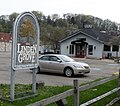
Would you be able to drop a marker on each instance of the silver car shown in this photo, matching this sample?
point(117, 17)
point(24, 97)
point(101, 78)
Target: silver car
point(56, 63)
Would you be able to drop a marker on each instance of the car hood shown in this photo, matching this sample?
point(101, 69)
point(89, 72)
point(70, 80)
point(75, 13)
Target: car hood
point(77, 63)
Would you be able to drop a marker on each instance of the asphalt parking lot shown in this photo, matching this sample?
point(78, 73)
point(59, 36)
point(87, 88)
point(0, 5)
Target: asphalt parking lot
point(99, 69)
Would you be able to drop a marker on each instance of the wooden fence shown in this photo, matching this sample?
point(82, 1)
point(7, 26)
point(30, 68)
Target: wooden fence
point(60, 99)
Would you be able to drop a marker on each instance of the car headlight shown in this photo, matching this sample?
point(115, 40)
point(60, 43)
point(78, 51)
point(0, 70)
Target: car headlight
point(78, 66)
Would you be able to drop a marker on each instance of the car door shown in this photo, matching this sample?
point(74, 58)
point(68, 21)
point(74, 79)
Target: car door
point(44, 63)
point(56, 65)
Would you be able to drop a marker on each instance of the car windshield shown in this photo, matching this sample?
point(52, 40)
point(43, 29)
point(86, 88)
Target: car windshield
point(66, 58)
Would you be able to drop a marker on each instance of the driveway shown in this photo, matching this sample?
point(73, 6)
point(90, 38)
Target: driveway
point(99, 69)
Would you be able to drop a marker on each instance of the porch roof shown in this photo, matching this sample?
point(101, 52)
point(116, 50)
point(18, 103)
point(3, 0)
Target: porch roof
point(80, 42)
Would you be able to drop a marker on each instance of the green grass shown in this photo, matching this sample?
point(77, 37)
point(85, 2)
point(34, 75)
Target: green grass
point(42, 93)
point(96, 91)
point(48, 91)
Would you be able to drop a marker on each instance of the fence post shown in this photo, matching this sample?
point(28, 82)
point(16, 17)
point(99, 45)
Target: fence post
point(76, 93)
point(34, 80)
point(119, 83)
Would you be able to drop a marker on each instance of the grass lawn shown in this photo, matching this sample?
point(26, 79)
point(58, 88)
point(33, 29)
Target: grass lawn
point(47, 91)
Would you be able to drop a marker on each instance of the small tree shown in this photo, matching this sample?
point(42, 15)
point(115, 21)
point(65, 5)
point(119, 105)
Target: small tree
point(27, 29)
point(52, 35)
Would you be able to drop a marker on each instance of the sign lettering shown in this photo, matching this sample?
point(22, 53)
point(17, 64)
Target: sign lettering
point(26, 53)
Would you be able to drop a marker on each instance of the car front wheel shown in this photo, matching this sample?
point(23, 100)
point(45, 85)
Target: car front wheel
point(68, 72)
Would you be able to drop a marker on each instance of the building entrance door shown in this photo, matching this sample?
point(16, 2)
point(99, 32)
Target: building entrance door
point(80, 51)
point(81, 47)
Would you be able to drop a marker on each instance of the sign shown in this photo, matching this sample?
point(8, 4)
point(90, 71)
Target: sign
point(25, 42)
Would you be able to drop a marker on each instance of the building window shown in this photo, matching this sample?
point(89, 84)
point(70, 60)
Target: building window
point(106, 48)
point(71, 50)
point(115, 48)
point(90, 49)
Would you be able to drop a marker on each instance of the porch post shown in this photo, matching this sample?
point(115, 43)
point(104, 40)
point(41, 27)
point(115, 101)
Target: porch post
point(111, 48)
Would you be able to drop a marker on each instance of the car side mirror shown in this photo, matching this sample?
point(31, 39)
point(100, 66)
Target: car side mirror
point(59, 61)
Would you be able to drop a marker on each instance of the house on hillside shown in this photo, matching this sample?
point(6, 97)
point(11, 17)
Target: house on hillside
point(5, 41)
point(88, 42)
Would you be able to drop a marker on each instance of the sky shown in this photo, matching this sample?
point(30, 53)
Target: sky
point(104, 9)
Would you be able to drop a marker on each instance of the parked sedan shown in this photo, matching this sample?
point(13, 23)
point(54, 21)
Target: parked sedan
point(56, 63)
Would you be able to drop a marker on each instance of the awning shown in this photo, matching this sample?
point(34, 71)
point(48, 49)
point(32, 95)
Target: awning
point(80, 41)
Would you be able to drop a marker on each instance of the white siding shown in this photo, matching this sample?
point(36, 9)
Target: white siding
point(5, 46)
point(65, 47)
point(97, 46)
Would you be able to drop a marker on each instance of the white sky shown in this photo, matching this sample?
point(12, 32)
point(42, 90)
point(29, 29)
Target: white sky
point(105, 9)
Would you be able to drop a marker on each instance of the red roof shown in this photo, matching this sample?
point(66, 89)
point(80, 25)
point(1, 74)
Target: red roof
point(5, 37)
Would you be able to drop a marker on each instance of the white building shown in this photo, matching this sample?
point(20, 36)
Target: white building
point(5, 42)
point(89, 43)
